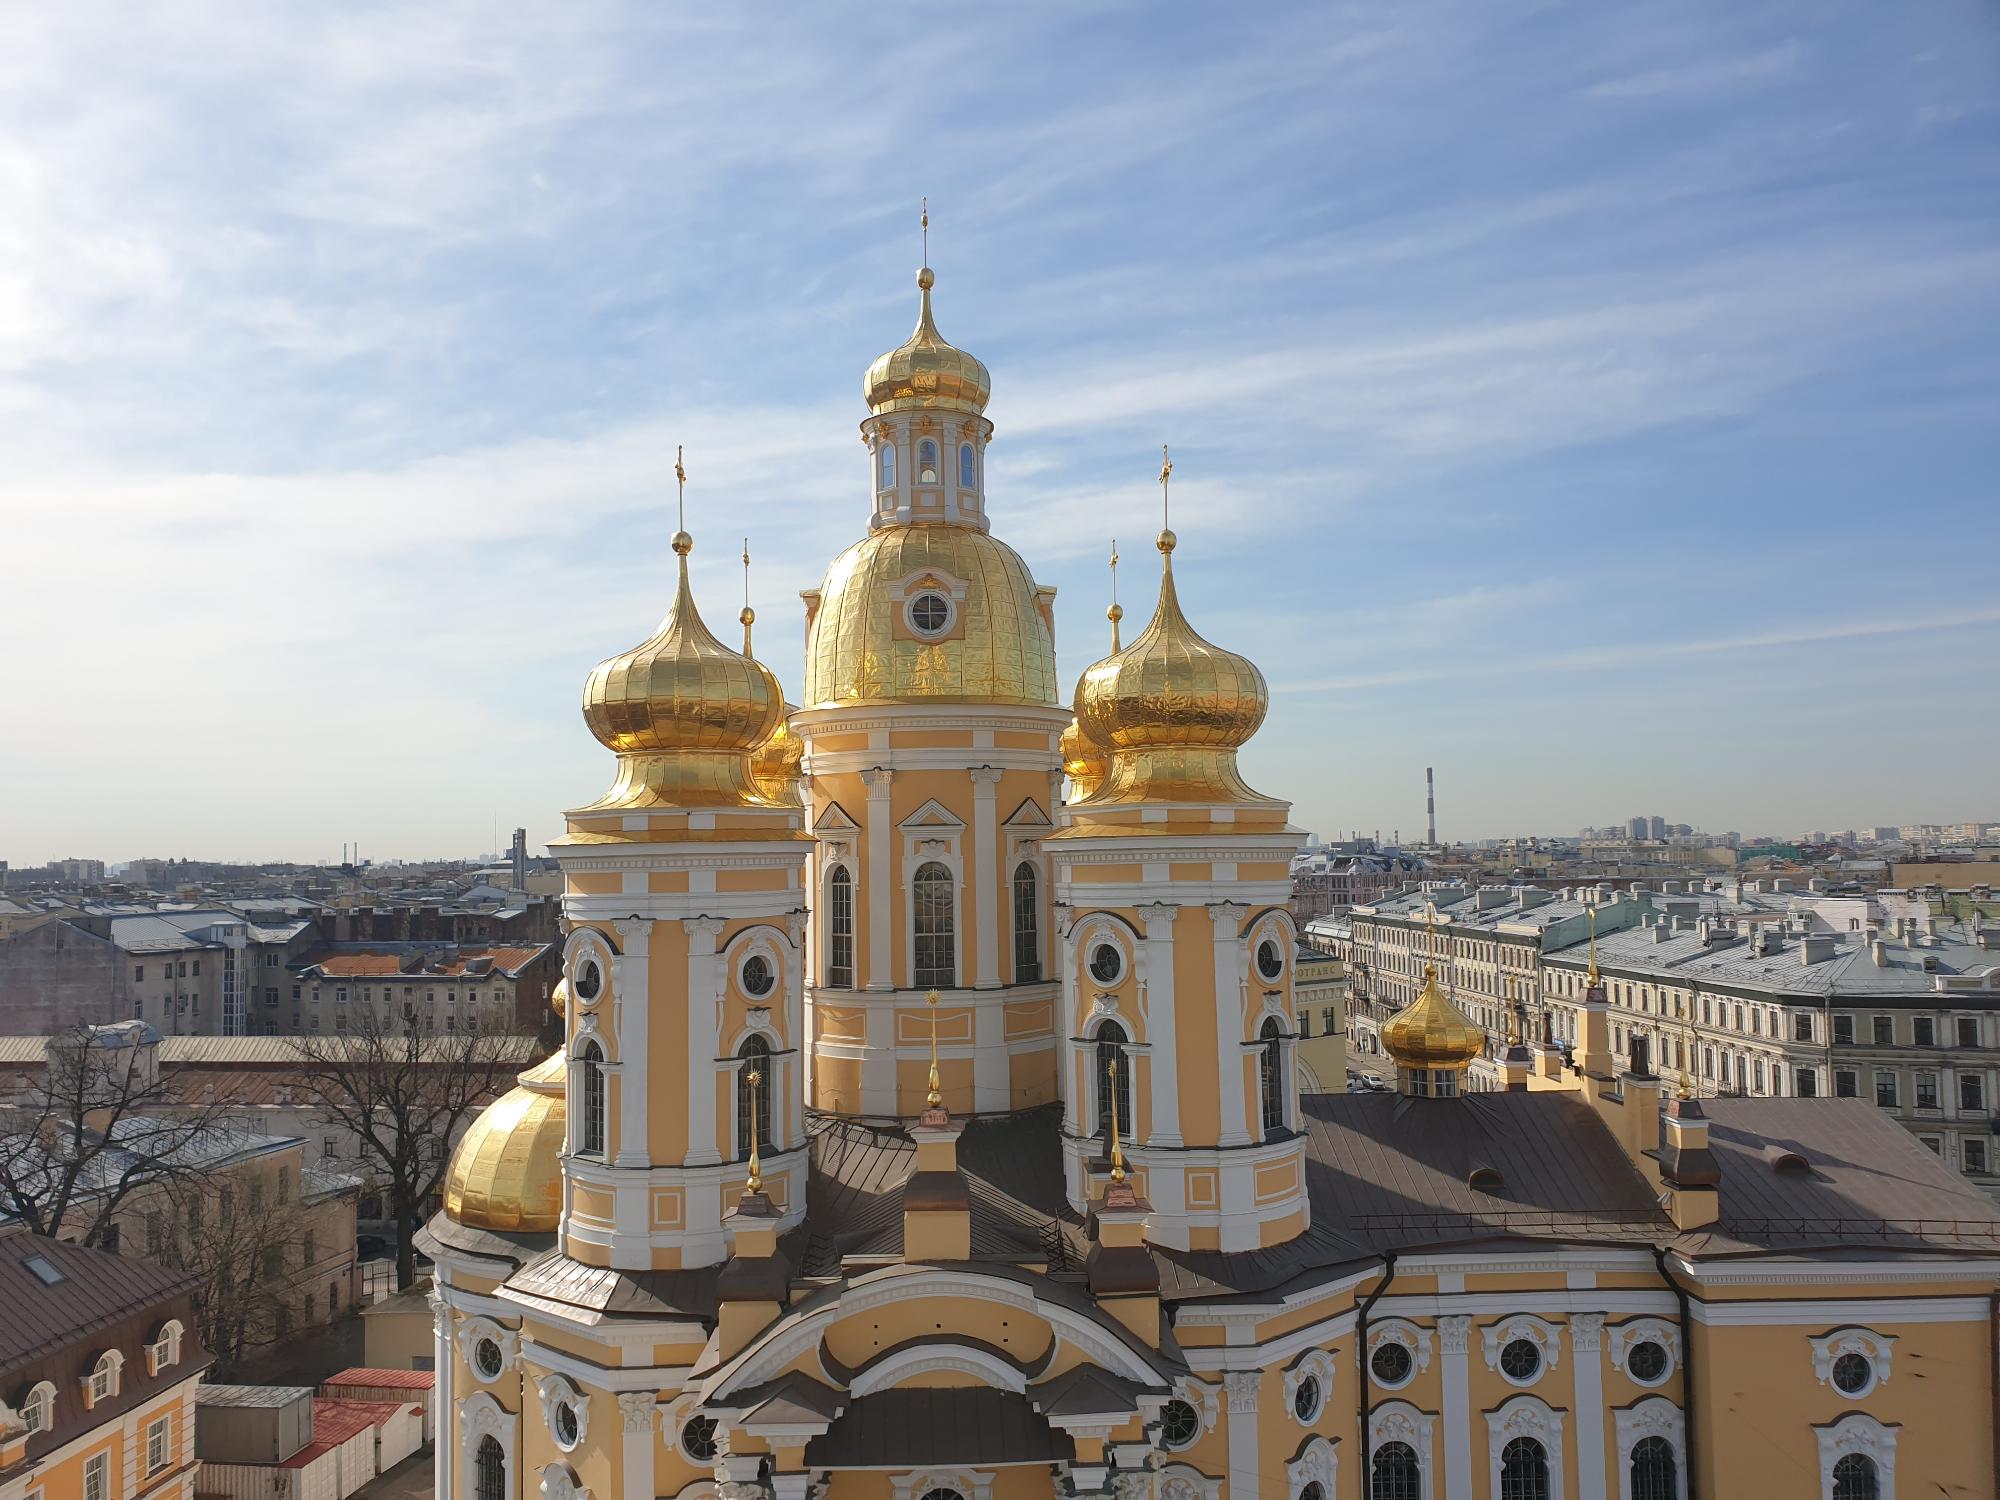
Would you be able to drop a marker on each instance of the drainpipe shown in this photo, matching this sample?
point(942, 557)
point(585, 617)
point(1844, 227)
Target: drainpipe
point(1993, 1356)
point(1361, 1355)
point(1687, 1373)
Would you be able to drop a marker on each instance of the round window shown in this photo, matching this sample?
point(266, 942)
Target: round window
point(1853, 1374)
point(1521, 1360)
point(1180, 1424)
point(567, 1429)
point(1270, 960)
point(1106, 963)
point(1646, 1362)
point(589, 980)
point(698, 1439)
point(757, 975)
point(1391, 1364)
point(930, 614)
point(1305, 1400)
point(487, 1359)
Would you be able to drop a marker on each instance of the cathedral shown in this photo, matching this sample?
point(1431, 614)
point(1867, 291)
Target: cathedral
point(927, 1127)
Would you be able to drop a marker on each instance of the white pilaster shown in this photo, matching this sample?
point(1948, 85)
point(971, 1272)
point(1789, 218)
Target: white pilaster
point(1163, 1064)
point(630, 982)
point(636, 1409)
point(447, 1398)
point(1455, 1338)
point(703, 986)
point(881, 954)
point(989, 880)
point(1586, 1332)
point(1241, 1388)
point(1229, 1055)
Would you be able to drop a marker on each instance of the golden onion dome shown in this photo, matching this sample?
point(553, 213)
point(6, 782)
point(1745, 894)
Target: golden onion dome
point(1171, 710)
point(507, 1171)
point(996, 645)
point(924, 373)
point(775, 766)
point(559, 999)
point(1431, 1032)
point(1083, 762)
point(682, 711)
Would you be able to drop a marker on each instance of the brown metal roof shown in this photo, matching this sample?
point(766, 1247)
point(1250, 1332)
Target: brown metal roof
point(966, 1426)
point(95, 1288)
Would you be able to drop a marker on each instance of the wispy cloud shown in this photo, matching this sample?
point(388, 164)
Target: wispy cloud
point(1701, 77)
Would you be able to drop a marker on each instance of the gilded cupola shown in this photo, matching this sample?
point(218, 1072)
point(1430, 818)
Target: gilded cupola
point(683, 712)
point(1171, 710)
point(1432, 1041)
point(1083, 762)
point(924, 373)
point(506, 1171)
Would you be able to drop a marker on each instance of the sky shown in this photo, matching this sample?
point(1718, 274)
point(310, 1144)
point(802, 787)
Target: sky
point(1596, 403)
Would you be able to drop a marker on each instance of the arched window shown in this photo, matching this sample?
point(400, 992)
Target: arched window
point(1027, 934)
point(756, 1055)
point(590, 1069)
point(840, 930)
point(1524, 1470)
point(1653, 1476)
point(1111, 1041)
point(888, 465)
point(936, 950)
point(927, 463)
point(965, 466)
point(1271, 1071)
point(1314, 1490)
point(1396, 1475)
point(489, 1471)
point(1855, 1478)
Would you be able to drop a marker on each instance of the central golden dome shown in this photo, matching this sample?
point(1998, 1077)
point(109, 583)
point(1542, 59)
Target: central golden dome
point(1171, 710)
point(996, 645)
point(683, 711)
point(924, 373)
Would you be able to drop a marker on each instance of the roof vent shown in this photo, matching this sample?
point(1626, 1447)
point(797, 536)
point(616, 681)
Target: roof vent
point(1784, 1159)
point(1485, 1179)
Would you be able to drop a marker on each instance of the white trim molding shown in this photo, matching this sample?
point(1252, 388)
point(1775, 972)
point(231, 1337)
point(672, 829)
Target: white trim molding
point(472, 1330)
point(1412, 1336)
point(1526, 1417)
point(559, 1482)
point(480, 1416)
point(1400, 1422)
point(1876, 1348)
point(1620, 1339)
point(973, 1484)
point(1318, 1463)
point(1316, 1365)
point(1544, 1335)
point(560, 1390)
point(1861, 1434)
point(929, 1358)
point(1183, 1481)
point(1653, 1416)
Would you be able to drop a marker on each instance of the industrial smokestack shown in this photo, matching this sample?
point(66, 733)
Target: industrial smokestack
point(1431, 803)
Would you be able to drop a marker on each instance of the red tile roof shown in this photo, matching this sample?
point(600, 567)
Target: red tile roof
point(408, 1380)
point(337, 1422)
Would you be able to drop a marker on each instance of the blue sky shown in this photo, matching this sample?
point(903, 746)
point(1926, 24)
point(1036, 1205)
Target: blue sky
point(1594, 402)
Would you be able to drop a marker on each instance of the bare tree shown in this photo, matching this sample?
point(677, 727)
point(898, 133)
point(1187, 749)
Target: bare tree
point(404, 1096)
point(244, 1244)
point(99, 1125)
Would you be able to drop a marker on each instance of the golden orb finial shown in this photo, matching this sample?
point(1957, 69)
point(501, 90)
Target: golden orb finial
point(755, 1182)
point(1117, 611)
point(936, 1096)
point(749, 616)
point(1117, 1155)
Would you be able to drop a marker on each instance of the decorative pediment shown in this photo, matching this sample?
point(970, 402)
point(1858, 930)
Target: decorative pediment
point(1028, 815)
point(933, 814)
point(834, 818)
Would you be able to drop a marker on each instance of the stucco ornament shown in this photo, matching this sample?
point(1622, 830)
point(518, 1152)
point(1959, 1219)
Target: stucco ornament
point(1658, 1417)
point(1545, 1336)
point(1412, 1336)
point(472, 1331)
point(1318, 1463)
point(973, 1484)
point(1874, 1347)
point(1400, 1422)
point(557, 1391)
point(1186, 1482)
point(1857, 1432)
point(1526, 1417)
point(1455, 1333)
point(1622, 1337)
point(1317, 1366)
point(559, 1483)
point(1242, 1386)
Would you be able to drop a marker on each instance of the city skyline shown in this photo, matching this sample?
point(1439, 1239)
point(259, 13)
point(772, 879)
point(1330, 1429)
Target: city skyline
point(1638, 452)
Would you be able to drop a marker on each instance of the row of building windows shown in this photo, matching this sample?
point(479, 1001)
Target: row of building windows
point(933, 917)
point(927, 464)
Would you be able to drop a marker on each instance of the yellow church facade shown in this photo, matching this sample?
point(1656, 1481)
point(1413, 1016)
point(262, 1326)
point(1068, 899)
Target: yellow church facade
point(927, 1128)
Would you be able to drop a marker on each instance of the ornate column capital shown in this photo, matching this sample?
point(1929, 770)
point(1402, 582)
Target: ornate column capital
point(1242, 1387)
point(1455, 1333)
point(703, 930)
point(795, 924)
point(1586, 1331)
point(636, 1408)
point(1228, 917)
point(1159, 914)
point(634, 934)
point(985, 775)
point(878, 776)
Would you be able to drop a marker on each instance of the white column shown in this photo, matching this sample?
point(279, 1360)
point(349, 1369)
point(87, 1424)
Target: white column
point(1240, 1387)
point(1164, 1063)
point(881, 958)
point(631, 969)
point(702, 989)
point(990, 881)
point(447, 1399)
point(1454, 1337)
point(1067, 1017)
point(636, 1409)
point(1229, 1055)
point(1586, 1333)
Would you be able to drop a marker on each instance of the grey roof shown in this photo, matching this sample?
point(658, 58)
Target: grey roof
point(1686, 956)
point(902, 1428)
point(251, 1395)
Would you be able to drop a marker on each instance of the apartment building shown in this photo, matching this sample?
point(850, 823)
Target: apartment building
point(1319, 986)
point(442, 988)
point(98, 1368)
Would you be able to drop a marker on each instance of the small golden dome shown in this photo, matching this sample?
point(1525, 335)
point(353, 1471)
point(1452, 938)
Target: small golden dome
point(1431, 1032)
point(775, 766)
point(559, 999)
point(507, 1171)
point(996, 648)
point(924, 373)
point(682, 711)
point(1083, 762)
point(1171, 710)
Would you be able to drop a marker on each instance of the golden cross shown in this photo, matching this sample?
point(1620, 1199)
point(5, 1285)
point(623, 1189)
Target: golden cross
point(926, 222)
point(681, 479)
point(756, 1182)
point(1117, 1156)
point(749, 615)
point(1115, 613)
point(1166, 473)
point(936, 1096)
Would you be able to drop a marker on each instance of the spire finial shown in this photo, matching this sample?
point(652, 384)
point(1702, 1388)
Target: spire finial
point(683, 543)
point(936, 1096)
point(749, 615)
point(755, 1184)
point(1687, 1045)
point(1117, 1155)
point(1117, 611)
point(1166, 473)
point(1590, 914)
point(1430, 938)
point(925, 220)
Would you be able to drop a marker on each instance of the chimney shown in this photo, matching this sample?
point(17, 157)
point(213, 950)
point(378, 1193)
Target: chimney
point(1816, 947)
point(1879, 952)
point(937, 1209)
point(755, 1283)
point(1688, 1168)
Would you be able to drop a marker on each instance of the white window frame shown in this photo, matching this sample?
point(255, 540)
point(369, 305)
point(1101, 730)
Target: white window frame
point(472, 1331)
point(1400, 1422)
point(1529, 1417)
point(1620, 1338)
point(1857, 1432)
point(1411, 1336)
point(1316, 1365)
point(560, 1390)
point(41, 1405)
point(1654, 1416)
point(160, 1427)
point(1877, 1348)
point(1544, 1335)
point(97, 1473)
point(1318, 1463)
